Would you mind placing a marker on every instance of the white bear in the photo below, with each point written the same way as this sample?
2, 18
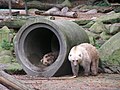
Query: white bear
85, 55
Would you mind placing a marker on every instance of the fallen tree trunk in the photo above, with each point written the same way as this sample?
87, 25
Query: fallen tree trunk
43, 6
11, 82
14, 24
59, 13
56, 12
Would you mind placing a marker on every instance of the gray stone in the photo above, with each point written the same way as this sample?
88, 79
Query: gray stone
115, 28
108, 28
110, 51
5, 59
5, 29
105, 36
5, 52
98, 27
106, 70
110, 18
88, 25
91, 34
112, 12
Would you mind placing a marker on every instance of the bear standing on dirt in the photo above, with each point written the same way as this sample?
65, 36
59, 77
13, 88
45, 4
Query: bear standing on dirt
85, 55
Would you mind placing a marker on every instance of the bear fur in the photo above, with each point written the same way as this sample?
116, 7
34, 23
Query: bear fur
85, 55
49, 58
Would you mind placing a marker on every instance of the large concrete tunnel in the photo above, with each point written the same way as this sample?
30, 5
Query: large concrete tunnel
40, 36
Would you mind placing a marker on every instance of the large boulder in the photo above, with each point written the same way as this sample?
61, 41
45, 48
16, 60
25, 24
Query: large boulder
110, 51
5, 34
110, 18
115, 28
105, 36
98, 27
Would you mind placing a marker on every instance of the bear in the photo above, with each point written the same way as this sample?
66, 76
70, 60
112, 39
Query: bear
49, 58
85, 55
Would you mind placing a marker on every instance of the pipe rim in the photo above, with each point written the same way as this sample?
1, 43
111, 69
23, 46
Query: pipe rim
62, 51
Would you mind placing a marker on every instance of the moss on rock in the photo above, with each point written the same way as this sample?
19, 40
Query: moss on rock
14, 67
110, 51
115, 28
105, 36
110, 18
98, 27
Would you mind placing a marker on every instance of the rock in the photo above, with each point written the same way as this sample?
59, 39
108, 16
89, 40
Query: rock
82, 22
110, 18
5, 52
115, 28
117, 9
91, 34
94, 18
100, 42
105, 36
98, 27
114, 69
112, 12
5, 59
5, 34
88, 25
118, 69
92, 37
13, 67
108, 28
93, 11
5, 29
67, 3
106, 70
110, 51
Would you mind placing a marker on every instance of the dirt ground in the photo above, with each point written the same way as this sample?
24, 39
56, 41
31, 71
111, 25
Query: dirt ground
100, 82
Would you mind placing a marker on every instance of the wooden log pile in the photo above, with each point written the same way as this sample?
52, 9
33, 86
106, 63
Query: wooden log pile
12, 83
64, 12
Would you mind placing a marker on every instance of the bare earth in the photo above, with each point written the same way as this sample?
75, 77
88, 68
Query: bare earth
100, 82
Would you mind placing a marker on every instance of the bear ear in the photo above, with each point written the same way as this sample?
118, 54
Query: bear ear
41, 60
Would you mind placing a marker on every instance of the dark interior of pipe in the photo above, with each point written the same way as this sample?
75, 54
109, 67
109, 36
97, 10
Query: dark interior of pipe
114, 1
39, 42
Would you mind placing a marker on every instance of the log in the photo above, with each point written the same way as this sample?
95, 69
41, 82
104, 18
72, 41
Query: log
11, 82
17, 22
56, 12
59, 13
14, 24
43, 6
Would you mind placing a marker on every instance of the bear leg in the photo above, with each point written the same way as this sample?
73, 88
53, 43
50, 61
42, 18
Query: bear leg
75, 69
94, 67
86, 67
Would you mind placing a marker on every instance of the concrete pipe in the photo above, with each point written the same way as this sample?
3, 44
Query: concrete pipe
40, 36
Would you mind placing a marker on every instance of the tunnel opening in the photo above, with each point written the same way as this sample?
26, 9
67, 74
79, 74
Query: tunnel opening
39, 42
114, 1
41, 36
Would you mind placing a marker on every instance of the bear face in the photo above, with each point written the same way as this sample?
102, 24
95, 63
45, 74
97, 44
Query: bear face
49, 58
76, 55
